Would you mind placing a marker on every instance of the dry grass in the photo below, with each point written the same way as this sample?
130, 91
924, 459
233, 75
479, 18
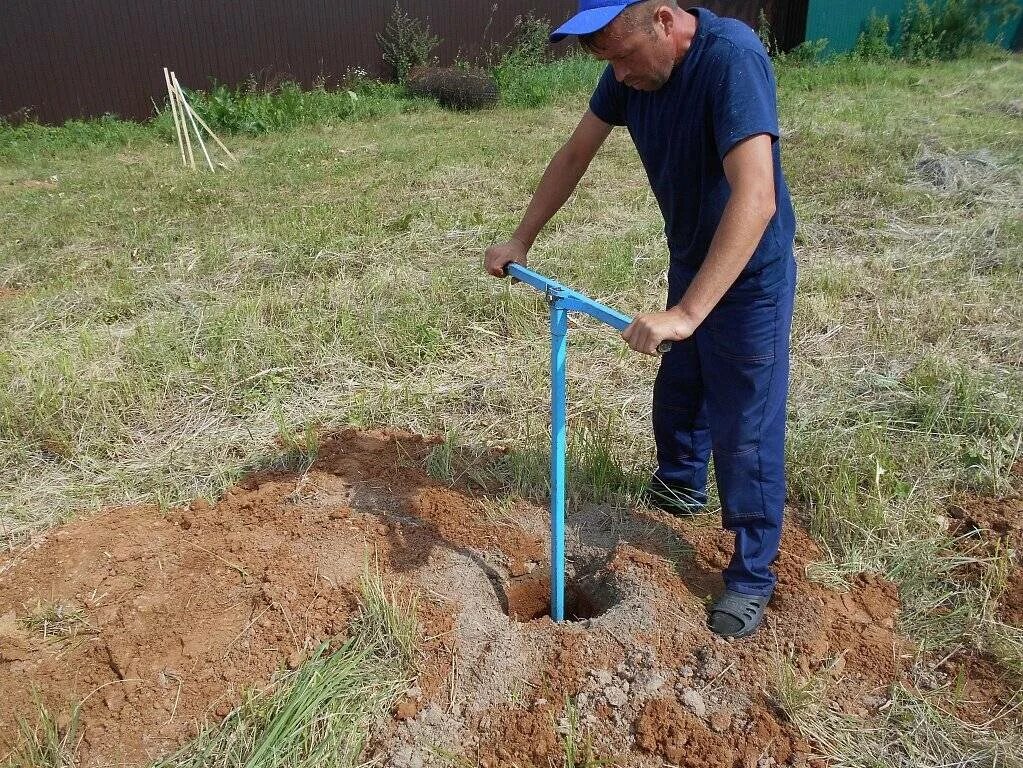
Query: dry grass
914, 729
58, 621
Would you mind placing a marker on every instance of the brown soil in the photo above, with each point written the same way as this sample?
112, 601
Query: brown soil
984, 691
185, 610
192, 607
996, 525
1011, 601
666, 729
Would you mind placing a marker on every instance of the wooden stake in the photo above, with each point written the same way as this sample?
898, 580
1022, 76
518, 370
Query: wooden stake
215, 136
174, 114
189, 113
188, 139
210, 132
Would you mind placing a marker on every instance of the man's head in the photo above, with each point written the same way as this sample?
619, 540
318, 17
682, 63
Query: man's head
638, 38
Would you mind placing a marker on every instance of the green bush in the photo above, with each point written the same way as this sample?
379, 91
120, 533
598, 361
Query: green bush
804, 54
530, 39
247, 109
872, 44
406, 42
949, 29
523, 84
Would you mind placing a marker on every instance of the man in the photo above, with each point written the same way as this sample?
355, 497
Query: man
697, 94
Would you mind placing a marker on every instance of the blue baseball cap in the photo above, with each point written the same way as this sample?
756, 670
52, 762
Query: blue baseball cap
592, 16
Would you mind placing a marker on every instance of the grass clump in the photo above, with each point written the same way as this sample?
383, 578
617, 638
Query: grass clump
525, 83
529, 76
406, 43
913, 730
58, 621
577, 742
53, 742
872, 43
320, 713
251, 110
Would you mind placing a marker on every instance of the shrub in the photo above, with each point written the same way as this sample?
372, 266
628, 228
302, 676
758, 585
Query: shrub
454, 87
250, 109
766, 34
529, 39
536, 85
949, 29
806, 53
406, 42
872, 44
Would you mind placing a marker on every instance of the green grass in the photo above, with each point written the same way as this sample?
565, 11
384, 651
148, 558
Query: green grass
253, 110
164, 330
53, 742
576, 742
527, 84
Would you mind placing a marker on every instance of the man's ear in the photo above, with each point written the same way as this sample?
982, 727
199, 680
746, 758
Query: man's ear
664, 20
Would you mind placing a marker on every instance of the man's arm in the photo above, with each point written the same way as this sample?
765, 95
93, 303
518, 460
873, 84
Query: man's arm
559, 180
749, 168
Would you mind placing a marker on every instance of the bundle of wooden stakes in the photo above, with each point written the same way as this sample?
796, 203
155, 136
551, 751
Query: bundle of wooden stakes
185, 117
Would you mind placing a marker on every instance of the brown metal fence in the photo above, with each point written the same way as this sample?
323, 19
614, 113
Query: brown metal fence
63, 59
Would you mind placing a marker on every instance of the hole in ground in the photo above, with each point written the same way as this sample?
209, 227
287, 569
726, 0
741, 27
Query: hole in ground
529, 598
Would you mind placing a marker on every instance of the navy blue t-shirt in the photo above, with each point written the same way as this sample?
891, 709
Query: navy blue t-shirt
723, 91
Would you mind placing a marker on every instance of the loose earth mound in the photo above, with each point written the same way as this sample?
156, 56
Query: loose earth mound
159, 620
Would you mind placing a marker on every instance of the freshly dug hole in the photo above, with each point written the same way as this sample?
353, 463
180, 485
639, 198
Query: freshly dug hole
529, 598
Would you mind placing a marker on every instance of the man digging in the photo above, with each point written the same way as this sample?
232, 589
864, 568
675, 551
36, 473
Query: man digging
697, 94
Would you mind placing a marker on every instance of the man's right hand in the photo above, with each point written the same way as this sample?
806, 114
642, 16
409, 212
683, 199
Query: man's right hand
501, 255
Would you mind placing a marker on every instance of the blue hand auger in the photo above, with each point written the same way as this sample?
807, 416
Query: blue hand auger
563, 300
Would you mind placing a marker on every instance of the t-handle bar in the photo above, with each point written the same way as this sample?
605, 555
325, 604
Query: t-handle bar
573, 300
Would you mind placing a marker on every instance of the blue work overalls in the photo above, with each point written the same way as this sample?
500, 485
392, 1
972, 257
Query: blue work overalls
723, 390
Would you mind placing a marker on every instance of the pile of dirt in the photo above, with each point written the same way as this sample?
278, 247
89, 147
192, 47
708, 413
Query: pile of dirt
179, 612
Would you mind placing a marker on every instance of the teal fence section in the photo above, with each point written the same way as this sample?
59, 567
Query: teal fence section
841, 22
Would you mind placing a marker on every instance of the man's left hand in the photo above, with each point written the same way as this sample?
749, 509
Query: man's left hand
646, 332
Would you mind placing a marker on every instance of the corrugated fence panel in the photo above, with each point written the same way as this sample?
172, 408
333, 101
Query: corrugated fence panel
63, 59
841, 22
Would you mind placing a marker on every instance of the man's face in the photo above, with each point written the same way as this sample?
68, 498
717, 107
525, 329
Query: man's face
641, 58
